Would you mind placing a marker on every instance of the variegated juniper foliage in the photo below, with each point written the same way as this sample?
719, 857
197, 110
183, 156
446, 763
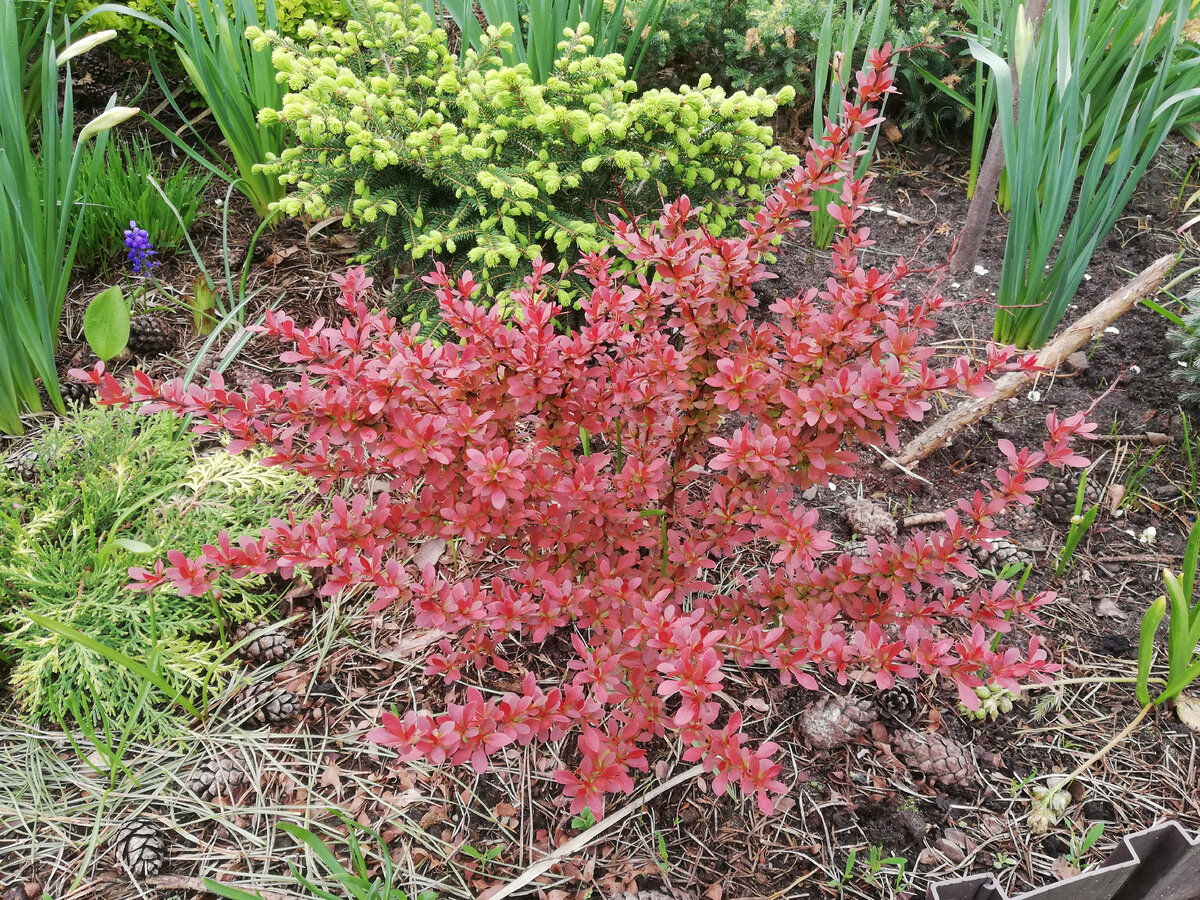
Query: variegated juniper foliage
104, 476
432, 158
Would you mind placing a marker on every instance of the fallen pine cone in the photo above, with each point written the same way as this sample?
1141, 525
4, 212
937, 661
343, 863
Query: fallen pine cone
264, 646
1057, 502
265, 704
835, 720
220, 776
1003, 553
938, 758
869, 519
675, 894
140, 847
898, 704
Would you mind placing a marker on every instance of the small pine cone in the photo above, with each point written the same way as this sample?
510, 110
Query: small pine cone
1004, 553
77, 393
265, 704
264, 646
149, 336
1018, 519
1058, 499
237, 377
834, 720
23, 465
220, 776
869, 519
140, 847
857, 549
898, 704
936, 757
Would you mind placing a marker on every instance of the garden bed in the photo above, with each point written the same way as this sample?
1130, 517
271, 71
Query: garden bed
222, 736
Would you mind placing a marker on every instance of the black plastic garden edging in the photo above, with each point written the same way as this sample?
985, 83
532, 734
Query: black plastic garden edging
1160, 863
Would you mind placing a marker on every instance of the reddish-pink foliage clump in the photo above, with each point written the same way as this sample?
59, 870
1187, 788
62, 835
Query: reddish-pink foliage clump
631, 488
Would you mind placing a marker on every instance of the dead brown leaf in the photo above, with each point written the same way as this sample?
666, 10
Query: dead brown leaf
757, 704
279, 254
413, 643
1063, 870
332, 777
429, 553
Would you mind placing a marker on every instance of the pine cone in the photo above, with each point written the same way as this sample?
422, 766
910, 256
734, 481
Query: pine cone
936, 757
23, 464
149, 336
1058, 499
898, 704
140, 847
1018, 519
238, 377
265, 704
1004, 553
869, 519
264, 646
220, 776
76, 393
857, 549
835, 720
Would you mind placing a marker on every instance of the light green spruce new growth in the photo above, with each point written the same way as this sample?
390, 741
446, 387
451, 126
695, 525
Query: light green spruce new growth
476, 163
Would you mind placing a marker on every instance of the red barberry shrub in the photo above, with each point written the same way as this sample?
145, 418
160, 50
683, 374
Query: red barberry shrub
630, 489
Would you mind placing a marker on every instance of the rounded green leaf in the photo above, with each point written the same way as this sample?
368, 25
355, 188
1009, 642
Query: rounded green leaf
106, 323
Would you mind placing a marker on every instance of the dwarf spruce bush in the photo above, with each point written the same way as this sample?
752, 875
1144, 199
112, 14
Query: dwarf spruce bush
430, 158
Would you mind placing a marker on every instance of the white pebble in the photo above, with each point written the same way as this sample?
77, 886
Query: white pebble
980, 270
1135, 370
1034, 396
1111, 329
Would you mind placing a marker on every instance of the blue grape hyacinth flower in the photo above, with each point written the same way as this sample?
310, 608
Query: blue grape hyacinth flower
137, 241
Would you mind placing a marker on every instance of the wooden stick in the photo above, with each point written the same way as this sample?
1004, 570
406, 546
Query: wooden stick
1087, 328
1153, 438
